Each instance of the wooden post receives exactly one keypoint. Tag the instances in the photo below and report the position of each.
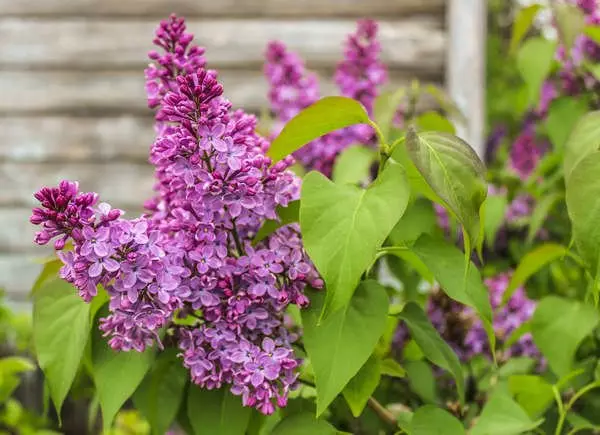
(465, 66)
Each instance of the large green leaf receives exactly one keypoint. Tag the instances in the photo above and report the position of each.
(303, 424)
(532, 263)
(326, 115)
(116, 375)
(558, 327)
(60, 333)
(583, 140)
(362, 385)
(503, 416)
(446, 262)
(49, 272)
(339, 345)
(353, 165)
(343, 226)
(161, 392)
(419, 218)
(433, 346)
(287, 215)
(534, 61)
(216, 412)
(454, 172)
(522, 24)
(563, 115)
(583, 191)
(431, 420)
(532, 392)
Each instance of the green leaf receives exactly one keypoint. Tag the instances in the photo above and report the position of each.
(303, 424)
(593, 32)
(445, 101)
(522, 24)
(583, 140)
(391, 367)
(116, 375)
(161, 392)
(362, 385)
(48, 273)
(326, 115)
(444, 260)
(540, 212)
(287, 215)
(353, 165)
(431, 420)
(454, 172)
(495, 211)
(422, 380)
(340, 345)
(10, 369)
(434, 348)
(532, 392)
(433, 121)
(216, 412)
(570, 22)
(60, 333)
(503, 416)
(563, 115)
(516, 366)
(558, 326)
(419, 218)
(583, 191)
(532, 263)
(343, 226)
(385, 108)
(534, 61)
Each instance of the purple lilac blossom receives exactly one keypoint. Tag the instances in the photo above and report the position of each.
(526, 152)
(193, 253)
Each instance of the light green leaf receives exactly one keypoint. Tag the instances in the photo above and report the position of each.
(583, 140)
(326, 115)
(532, 392)
(445, 101)
(419, 218)
(433, 121)
(434, 348)
(60, 333)
(593, 32)
(116, 375)
(563, 115)
(48, 273)
(532, 263)
(12, 365)
(558, 327)
(445, 261)
(540, 212)
(303, 424)
(161, 392)
(340, 345)
(216, 412)
(583, 191)
(385, 108)
(343, 226)
(516, 366)
(287, 215)
(570, 22)
(522, 24)
(362, 385)
(534, 61)
(454, 172)
(503, 416)
(431, 420)
(495, 211)
(391, 367)
(353, 165)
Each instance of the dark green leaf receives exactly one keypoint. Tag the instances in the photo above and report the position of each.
(287, 215)
(159, 395)
(326, 115)
(583, 140)
(422, 380)
(362, 385)
(431, 420)
(534, 61)
(558, 327)
(60, 333)
(342, 343)
(434, 348)
(503, 416)
(532, 392)
(343, 226)
(540, 213)
(454, 172)
(303, 424)
(216, 412)
(391, 367)
(531, 263)
(353, 165)
(495, 211)
(522, 24)
(433, 121)
(563, 115)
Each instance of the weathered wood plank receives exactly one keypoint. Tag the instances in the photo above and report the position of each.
(414, 44)
(229, 8)
(121, 92)
(121, 184)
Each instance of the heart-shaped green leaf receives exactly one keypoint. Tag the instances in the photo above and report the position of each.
(353, 165)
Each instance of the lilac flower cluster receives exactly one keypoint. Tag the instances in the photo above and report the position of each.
(359, 76)
(463, 330)
(192, 255)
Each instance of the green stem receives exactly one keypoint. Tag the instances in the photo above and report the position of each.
(564, 409)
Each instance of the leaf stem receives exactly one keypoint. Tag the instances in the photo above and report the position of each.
(564, 409)
(382, 412)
